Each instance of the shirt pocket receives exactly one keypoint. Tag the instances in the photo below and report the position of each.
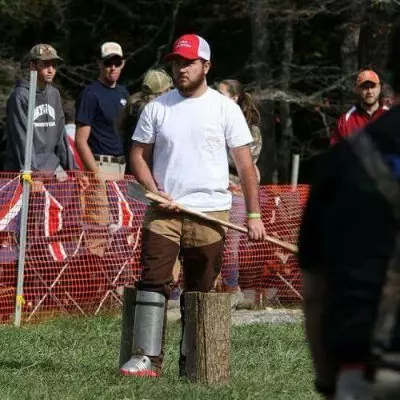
(212, 140)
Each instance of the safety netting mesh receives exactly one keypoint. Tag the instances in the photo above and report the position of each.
(83, 245)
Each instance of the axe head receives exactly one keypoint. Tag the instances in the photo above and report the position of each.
(137, 192)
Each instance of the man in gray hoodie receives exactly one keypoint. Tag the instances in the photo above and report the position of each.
(50, 150)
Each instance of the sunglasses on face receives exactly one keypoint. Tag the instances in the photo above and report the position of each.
(116, 62)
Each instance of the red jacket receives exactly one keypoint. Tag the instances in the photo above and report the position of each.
(353, 120)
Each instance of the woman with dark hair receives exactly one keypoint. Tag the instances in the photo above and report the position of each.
(230, 274)
(235, 91)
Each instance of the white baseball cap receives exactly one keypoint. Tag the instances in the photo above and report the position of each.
(111, 49)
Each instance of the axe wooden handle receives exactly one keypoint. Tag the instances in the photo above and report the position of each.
(159, 199)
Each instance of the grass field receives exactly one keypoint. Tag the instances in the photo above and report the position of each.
(76, 358)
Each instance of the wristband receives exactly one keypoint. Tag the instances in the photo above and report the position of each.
(253, 215)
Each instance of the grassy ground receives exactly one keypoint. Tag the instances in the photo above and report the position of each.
(77, 359)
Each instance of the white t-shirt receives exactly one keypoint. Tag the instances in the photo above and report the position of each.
(191, 137)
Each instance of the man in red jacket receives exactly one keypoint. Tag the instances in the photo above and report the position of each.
(368, 108)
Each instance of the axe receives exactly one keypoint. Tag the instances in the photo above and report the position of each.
(139, 193)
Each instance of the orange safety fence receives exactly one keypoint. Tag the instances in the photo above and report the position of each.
(83, 245)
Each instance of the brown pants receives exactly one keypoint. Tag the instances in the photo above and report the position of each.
(200, 242)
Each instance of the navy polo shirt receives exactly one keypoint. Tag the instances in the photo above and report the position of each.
(99, 107)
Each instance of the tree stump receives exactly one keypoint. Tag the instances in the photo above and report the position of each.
(128, 319)
(208, 337)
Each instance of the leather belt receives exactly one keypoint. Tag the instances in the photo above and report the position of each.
(110, 159)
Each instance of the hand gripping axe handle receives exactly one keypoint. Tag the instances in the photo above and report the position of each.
(139, 193)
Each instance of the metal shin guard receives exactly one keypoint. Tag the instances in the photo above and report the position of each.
(147, 333)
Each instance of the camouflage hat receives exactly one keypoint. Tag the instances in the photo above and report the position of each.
(156, 81)
(43, 52)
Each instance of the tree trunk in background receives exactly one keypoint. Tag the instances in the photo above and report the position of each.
(373, 42)
(285, 144)
(349, 48)
(258, 15)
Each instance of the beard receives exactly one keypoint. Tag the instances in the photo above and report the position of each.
(190, 86)
(370, 101)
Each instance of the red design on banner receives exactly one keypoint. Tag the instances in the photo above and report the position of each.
(53, 224)
(125, 214)
(72, 148)
(11, 209)
(57, 251)
(52, 215)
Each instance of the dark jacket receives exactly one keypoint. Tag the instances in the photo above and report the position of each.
(348, 234)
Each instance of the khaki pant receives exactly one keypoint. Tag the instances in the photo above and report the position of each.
(96, 206)
(168, 234)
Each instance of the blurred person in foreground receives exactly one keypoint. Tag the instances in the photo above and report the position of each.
(368, 107)
(346, 245)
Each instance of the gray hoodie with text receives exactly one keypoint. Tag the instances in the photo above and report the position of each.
(50, 147)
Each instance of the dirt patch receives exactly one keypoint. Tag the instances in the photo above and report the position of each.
(264, 316)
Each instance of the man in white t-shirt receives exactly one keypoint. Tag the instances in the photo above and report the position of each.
(180, 151)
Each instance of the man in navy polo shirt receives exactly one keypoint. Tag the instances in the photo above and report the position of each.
(98, 143)
(98, 108)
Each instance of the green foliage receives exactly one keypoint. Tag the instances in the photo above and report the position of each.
(146, 30)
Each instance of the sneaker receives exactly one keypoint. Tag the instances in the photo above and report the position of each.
(139, 366)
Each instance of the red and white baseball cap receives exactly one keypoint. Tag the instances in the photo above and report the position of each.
(190, 47)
